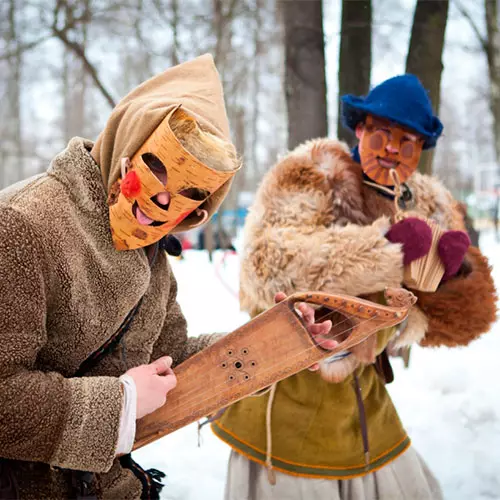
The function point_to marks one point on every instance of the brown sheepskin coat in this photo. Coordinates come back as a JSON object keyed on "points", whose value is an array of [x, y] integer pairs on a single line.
{"points": [[316, 226], [64, 291]]}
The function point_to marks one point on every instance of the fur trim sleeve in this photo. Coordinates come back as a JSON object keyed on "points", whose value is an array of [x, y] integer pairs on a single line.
{"points": [[45, 417], [463, 308]]}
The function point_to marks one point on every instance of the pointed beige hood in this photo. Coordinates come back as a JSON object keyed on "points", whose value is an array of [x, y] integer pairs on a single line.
{"points": [[195, 85]]}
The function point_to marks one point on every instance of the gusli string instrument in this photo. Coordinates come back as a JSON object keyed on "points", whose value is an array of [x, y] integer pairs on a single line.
{"points": [[271, 347]]}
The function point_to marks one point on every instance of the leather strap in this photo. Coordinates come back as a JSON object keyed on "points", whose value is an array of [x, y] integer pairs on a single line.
{"points": [[8, 484], [384, 368], [362, 419], [82, 485]]}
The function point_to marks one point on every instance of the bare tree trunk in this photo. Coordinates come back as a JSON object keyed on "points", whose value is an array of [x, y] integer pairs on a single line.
{"points": [[256, 70], [223, 13], [14, 95], [66, 96], [239, 180], [355, 58], [142, 57], [74, 78], [425, 55], [81, 87], [491, 48], [305, 82], [493, 55], [175, 32]]}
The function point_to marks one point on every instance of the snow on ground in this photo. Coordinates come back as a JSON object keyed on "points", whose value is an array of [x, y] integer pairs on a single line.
{"points": [[448, 399]]}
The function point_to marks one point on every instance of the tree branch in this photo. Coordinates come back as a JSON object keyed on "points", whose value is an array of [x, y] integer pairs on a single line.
{"points": [[90, 68], [482, 40], [34, 43], [76, 48], [23, 48]]}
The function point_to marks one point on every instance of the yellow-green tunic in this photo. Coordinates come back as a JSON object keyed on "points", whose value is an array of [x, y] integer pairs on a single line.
{"points": [[315, 426]]}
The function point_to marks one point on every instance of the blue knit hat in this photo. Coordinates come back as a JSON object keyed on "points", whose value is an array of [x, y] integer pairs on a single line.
{"points": [[401, 99]]}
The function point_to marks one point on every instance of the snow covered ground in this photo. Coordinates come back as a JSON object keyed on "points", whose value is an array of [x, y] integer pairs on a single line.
{"points": [[448, 399]]}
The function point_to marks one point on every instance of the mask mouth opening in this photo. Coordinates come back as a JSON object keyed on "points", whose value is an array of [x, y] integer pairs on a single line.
{"points": [[143, 219], [386, 162], [156, 201]]}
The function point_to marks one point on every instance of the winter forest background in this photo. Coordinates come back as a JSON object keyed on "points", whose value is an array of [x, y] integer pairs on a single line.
{"points": [[64, 63]]}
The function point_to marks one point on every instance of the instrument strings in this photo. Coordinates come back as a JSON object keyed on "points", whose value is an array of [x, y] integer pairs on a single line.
{"points": [[188, 402], [193, 402], [301, 352], [334, 310], [322, 318]]}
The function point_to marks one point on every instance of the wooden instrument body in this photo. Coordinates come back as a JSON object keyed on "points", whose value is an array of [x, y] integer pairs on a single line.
{"points": [[267, 349]]}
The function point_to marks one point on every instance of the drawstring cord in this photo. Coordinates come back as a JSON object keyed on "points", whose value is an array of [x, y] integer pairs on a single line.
{"points": [[271, 474], [271, 390]]}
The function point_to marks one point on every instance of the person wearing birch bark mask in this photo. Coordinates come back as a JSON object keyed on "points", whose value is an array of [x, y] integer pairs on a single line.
{"points": [[87, 294], [322, 220]]}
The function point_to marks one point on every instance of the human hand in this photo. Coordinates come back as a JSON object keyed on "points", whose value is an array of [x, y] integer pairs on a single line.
{"points": [[152, 383], [415, 235], [317, 330], [452, 247]]}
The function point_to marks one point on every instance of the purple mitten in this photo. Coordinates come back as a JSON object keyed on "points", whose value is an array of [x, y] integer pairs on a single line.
{"points": [[452, 247], [415, 236]]}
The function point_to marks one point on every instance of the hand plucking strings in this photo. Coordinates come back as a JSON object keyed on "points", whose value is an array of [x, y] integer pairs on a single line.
{"points": [[188, 402]]}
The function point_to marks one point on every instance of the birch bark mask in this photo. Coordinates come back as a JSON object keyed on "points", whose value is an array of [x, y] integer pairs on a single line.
{"points": [[159, 187], [385, 146]]}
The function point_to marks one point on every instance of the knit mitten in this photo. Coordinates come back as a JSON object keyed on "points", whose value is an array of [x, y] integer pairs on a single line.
{"points": [[452, 247], [414, 234]]}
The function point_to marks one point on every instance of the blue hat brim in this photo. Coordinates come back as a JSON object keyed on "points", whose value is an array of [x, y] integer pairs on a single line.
{"points": [[354, 111]]}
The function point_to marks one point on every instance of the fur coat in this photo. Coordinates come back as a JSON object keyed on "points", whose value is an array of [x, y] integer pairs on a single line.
{"points": [[65, 290], [316, 226]]}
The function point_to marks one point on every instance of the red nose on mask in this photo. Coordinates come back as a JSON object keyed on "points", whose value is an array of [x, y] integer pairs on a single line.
{"points": [[130, 185]]}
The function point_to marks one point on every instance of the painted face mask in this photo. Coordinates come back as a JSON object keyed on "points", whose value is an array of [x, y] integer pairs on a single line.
{"points": [[160, 186], [377, 159]]}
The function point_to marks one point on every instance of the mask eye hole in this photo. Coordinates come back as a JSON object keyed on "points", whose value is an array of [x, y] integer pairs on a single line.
{"points": [[407, 150], [378, 140], [195, 194], [156, 166]]}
